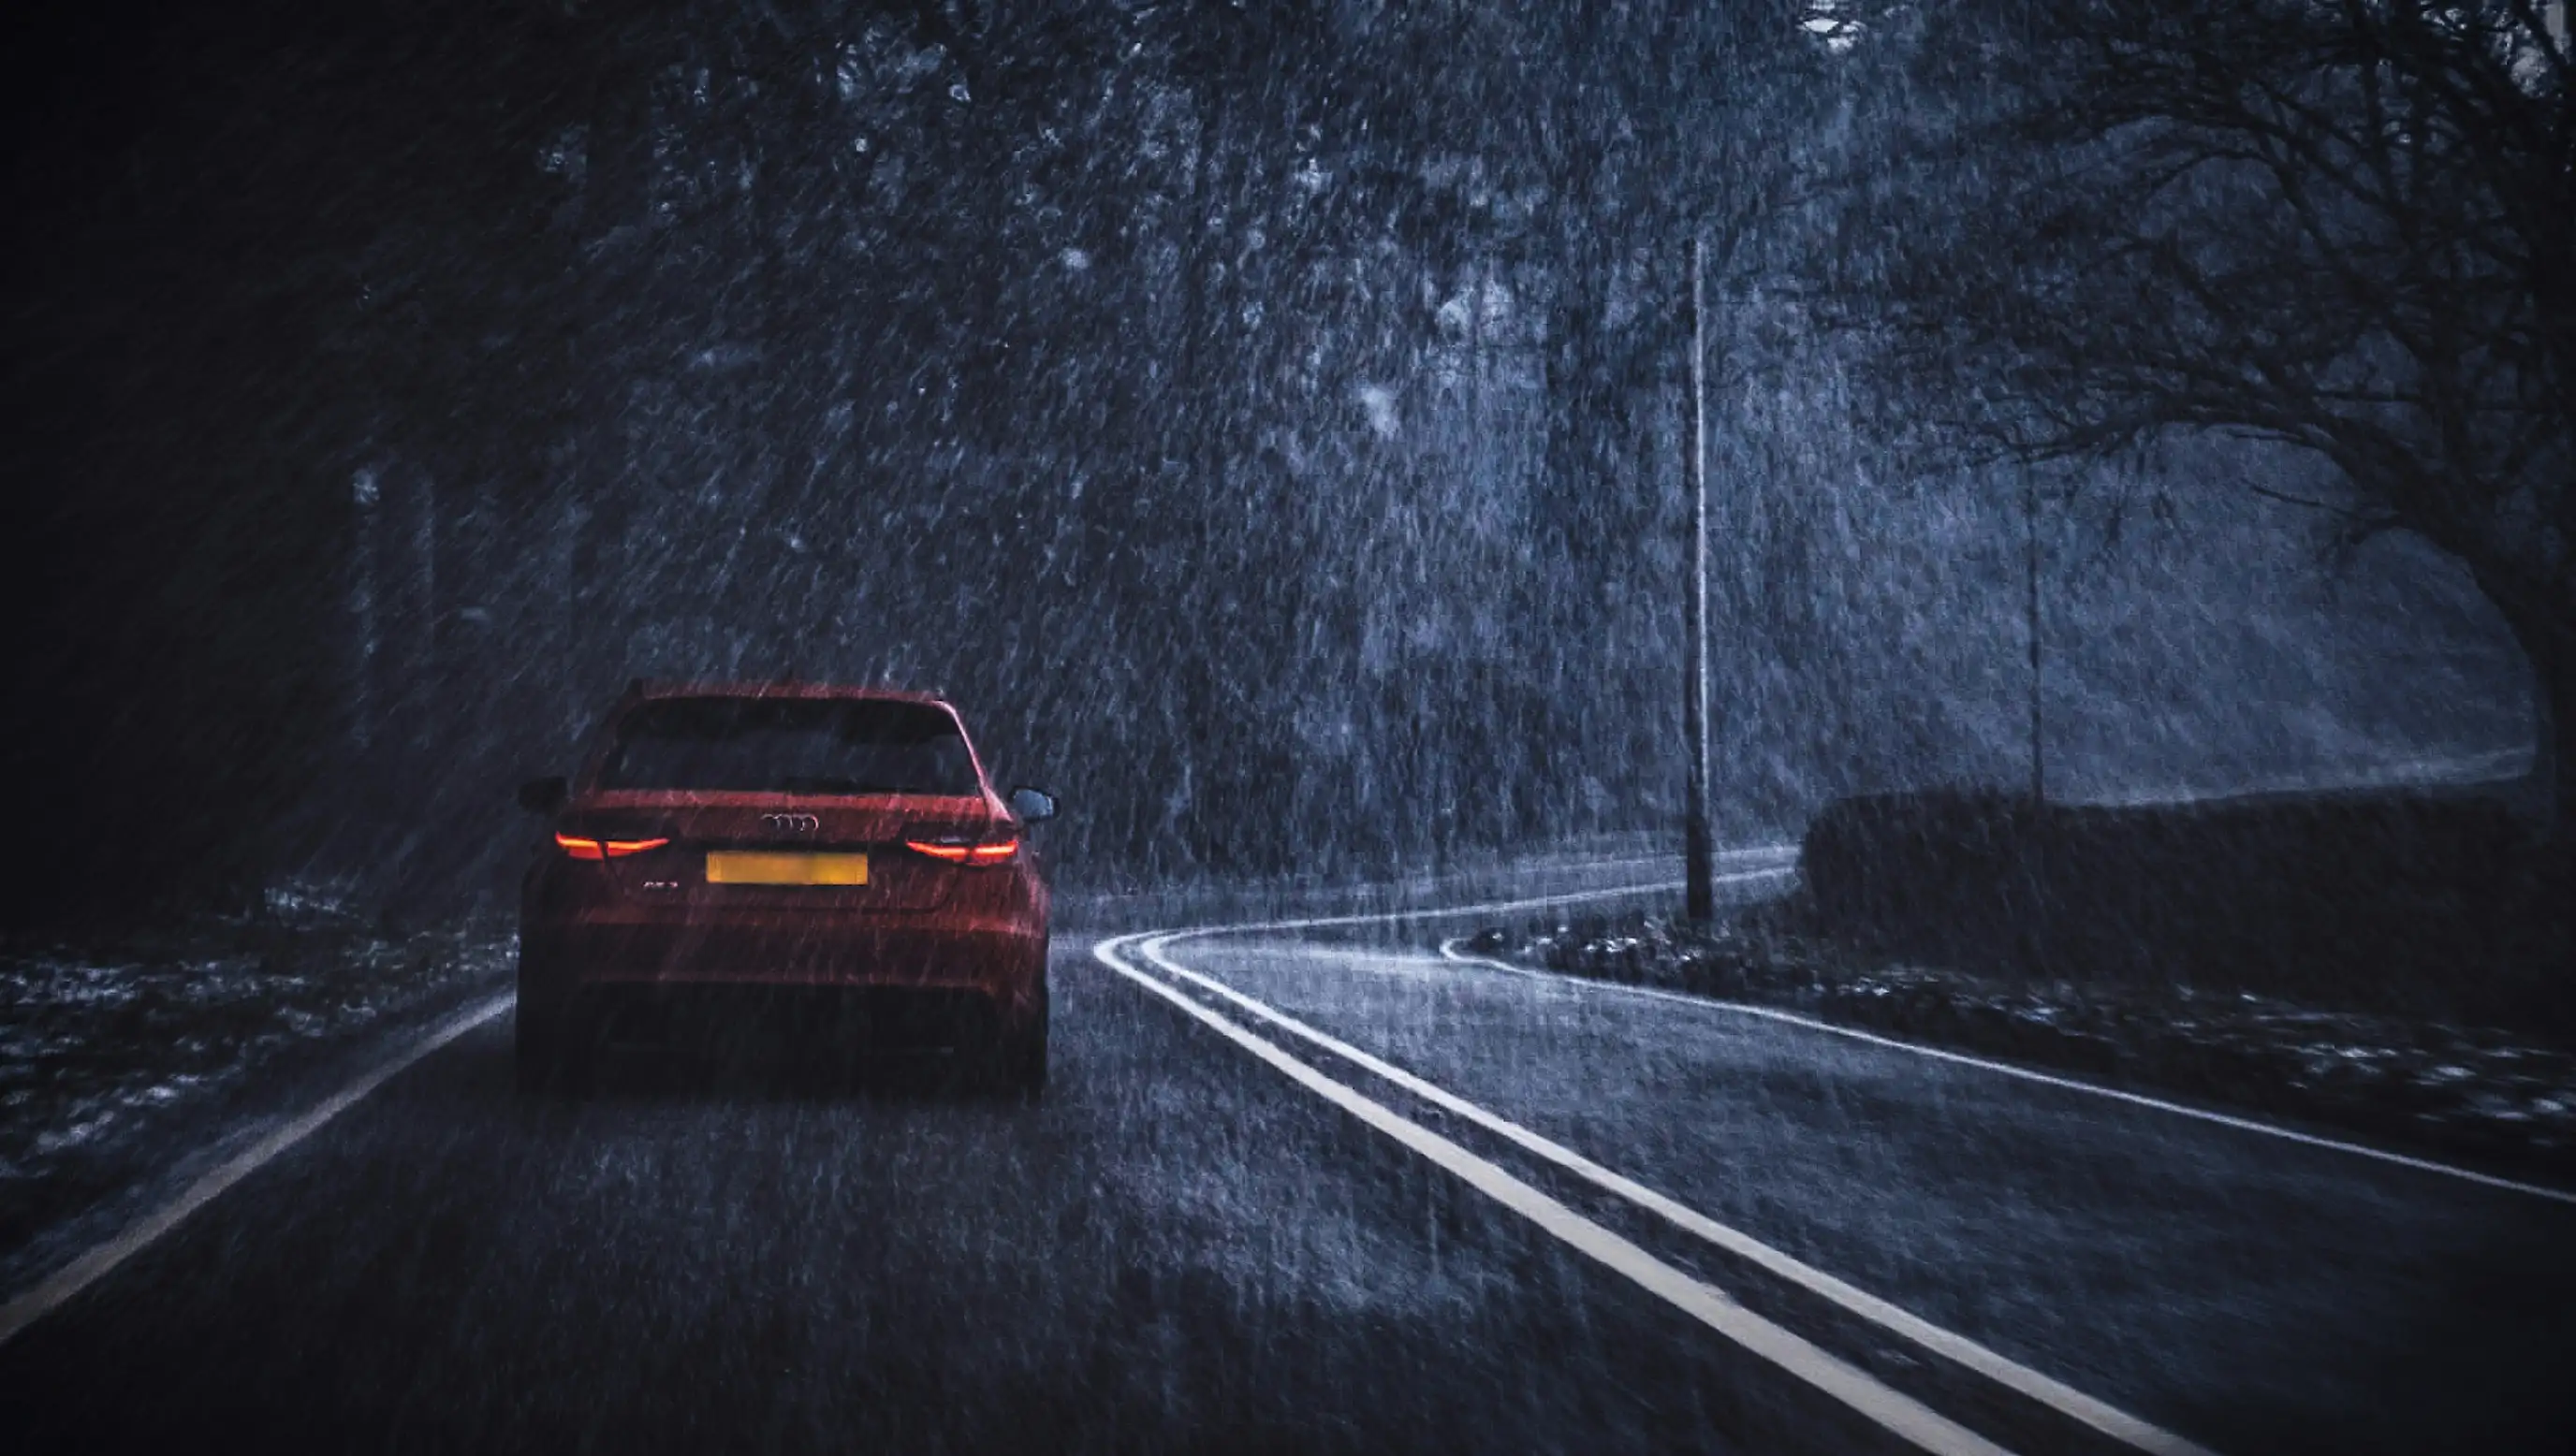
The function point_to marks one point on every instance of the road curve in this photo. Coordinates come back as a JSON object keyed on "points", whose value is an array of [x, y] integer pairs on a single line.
{"points": [[2220, 1286], [1186, 1247]]}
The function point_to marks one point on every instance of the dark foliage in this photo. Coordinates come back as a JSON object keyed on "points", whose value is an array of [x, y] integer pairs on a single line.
{"points": [[2349, 229], [2404, 902], [392, 382]]}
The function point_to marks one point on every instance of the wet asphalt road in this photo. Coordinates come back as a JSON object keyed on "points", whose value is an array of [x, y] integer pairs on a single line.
{"points": [[1183, 1249]]}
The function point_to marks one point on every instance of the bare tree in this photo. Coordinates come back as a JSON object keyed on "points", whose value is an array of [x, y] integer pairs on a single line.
{"points": [[2348, 226]]}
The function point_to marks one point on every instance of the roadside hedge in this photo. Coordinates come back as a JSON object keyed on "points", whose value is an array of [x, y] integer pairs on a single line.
{"points": [[2416, 901]]}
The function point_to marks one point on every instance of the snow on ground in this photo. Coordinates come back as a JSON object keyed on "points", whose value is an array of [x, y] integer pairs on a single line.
{"points": [[111, 1050], [2494, 1096]]}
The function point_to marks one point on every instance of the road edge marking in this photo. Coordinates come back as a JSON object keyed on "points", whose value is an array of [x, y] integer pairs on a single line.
{"points": [[2028, 1074], [67, 1281], [1427, 883], [1490, 907], [2075, 1405], [1890, 1409]]}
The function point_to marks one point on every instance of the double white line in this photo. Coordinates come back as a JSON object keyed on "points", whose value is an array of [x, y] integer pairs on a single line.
{"points": [[1889, 1408]]}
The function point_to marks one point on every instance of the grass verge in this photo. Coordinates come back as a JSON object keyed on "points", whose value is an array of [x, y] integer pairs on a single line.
{"points": [[2500, 1100]]}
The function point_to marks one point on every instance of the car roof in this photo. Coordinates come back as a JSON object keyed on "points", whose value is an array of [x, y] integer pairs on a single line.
{"points": [[642, 690]]}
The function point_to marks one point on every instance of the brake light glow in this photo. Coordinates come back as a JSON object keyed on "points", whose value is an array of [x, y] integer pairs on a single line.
{"points": [[965, 854], [580, 848]]}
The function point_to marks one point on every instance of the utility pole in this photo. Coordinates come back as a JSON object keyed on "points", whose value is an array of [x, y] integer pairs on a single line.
{"points": [[2030, 574], [1699, 877]]}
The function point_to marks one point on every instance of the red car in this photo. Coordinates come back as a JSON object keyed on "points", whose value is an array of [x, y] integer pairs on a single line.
{"points": [[833, 852]]}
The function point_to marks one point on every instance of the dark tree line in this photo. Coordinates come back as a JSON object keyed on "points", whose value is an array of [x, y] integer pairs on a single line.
{"points": [[397, 380], [1264, 419], [2348, 228]]}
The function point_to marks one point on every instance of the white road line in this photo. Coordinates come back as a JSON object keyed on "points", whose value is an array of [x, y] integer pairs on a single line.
{"points": [[89, 1268], [2071, 1084], [2064, 1399], [64, 1283], [1900, 1414], [1493, 907], [1445, 879]]}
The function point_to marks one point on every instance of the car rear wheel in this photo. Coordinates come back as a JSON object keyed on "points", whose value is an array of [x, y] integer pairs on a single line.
{"points": [[1020, 1054]]}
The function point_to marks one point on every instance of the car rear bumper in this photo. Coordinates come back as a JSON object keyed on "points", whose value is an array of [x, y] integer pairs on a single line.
{"points": [[725, 1019], [1002, 965]]}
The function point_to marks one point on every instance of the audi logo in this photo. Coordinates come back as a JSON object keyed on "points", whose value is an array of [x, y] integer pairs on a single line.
{"points": [[792, 823]]}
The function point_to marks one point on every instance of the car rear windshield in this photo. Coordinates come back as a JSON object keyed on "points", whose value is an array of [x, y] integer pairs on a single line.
{"points": [[789, 746]]}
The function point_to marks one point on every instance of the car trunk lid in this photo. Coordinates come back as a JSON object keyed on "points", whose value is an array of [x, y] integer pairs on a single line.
{"points": [[748, 838]]}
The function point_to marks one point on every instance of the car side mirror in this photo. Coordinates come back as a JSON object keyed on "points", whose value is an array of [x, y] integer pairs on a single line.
{"points": [[544, 796], [1034, 806]]}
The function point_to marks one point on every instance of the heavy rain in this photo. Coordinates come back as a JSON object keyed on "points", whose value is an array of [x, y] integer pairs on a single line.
{"points": [[1778, 725]]}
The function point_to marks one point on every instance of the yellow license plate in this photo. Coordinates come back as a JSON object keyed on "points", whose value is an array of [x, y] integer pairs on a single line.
{"points": [[742, 867]]}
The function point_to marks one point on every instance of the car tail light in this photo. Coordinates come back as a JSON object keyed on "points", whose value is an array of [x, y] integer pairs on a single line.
{"points": [[580, 848], [958, 851]]}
